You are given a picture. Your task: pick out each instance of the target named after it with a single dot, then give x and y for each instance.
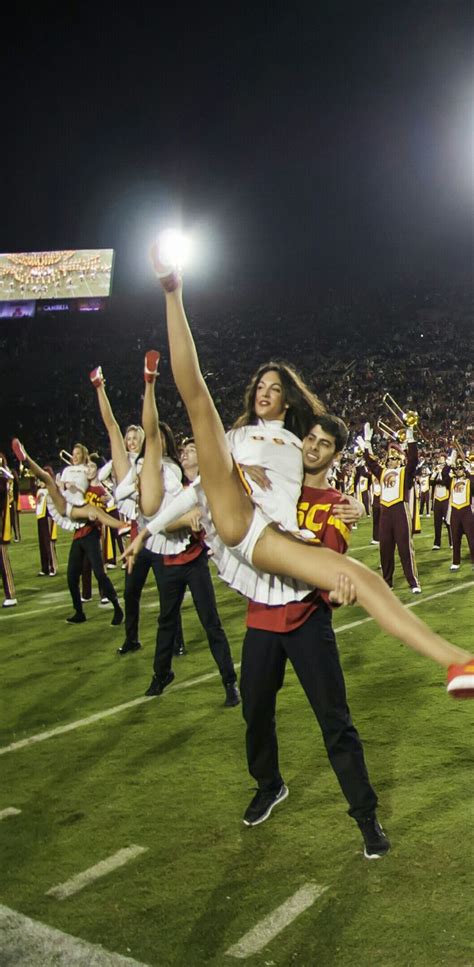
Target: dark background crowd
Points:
(415, 342)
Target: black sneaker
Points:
(129, 646)
(376, 843)
(232, 695)
(157, 685)
(76, 619)
(262, 805)
(118, 615)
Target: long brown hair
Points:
(302, 404)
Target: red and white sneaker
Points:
(461, 680)
(97, 377)
(168, 274)
(152, 359)
(18, 450)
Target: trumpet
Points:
(457, 446)
(405, 417)
(398, 436)
(65, 457)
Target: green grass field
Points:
(169, 774)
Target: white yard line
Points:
(411, 604)
(363, 547)
(275, 922)
(13, 613)
(10, 811)
(81, 880)
(28, 942)
(106, 713)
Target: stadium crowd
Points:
(417, 345)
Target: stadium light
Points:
(174, 248)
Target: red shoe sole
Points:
(152, 359)
(18, 450)
(96, 377)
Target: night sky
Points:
(305, 145)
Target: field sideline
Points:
(156, 789)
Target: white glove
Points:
(410, 436)
(361, 443)
(451, 460)
(368, 432)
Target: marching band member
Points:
(424, 478)
(376, 493)
(251, 535)
(395, 530)
(440, 502)
(458, 477)
(362, 484)
(15, 506)
(6, 488)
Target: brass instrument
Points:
(65, 457)
(398, 436)
(405, 417)
(457, 446)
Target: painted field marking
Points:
(10, 811)
(9, 613)
(26, 941)
(77, 883)
(27, 614)
(106, 713)
(275, 922)
(363, 547)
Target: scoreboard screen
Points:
(17, 310)
(74, 274)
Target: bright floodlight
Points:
(173, 247)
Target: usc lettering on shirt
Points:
(460, 495)
(393, 486)
(314, 513)
(96, 495)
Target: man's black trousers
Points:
(134, 584)
(312, 650)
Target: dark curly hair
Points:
(303, 405)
